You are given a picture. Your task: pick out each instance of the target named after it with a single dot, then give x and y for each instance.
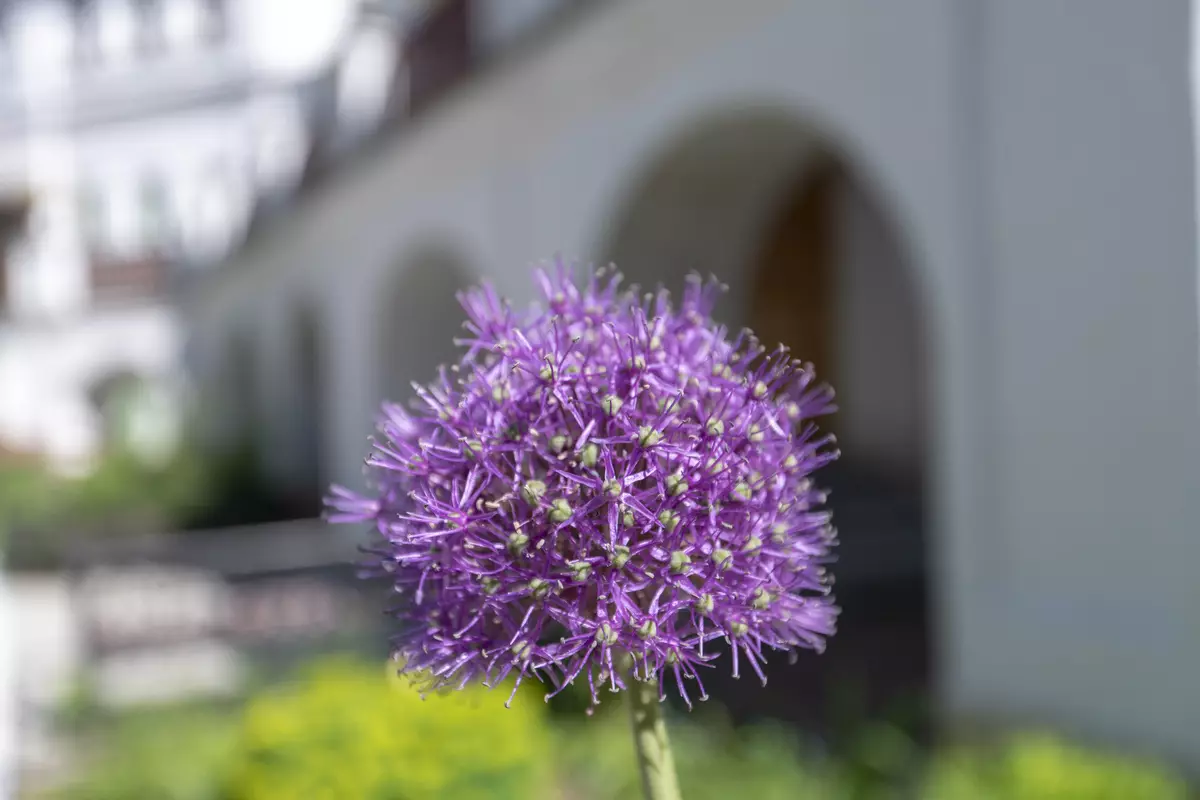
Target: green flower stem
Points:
(655, 761)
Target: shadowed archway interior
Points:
(418, 319)
(812, 258)
(310, 413)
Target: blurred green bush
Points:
(43, 514)
(349, 731)
(169, 754)
(1041, 766)
(346, 730)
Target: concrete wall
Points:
(1042, 188)
(1088, 377)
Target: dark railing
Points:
(262, 591)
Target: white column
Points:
(8, 694)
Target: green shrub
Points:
(713, 759)
(348, 731)
(172, 754)
(1039, 766)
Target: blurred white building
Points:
(978, 218)
(138, 141)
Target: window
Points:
(151, 38)
(87, 39)
(212, 223)
(94, 222)
(215, 22)
(5, 46)
(182, 21)
(115, 29)
(158, 226)
(42, 35)
(3, 277)
(14, 215)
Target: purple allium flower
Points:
(605, 475)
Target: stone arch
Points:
(816, 255)
(310, 415)
(418, 318)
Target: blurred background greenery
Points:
(46, 514)
(342, 728)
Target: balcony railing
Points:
(123, 279)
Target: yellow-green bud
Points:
(590, 455)
(722, 558)
(605, 634)
(560, 510)
(648, 437)
(532, 491)
(517, 543)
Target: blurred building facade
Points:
(973, 218)
(138, 143)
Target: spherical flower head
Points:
(604, 486)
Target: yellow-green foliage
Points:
(1043, 767)
(169, 754)
(346, 731)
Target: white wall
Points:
(1089, 380)
(1057, 273)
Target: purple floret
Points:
(599, 476)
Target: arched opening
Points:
(136, 415)
(419, 318)
(308, 478)
(239, 405)
(814, 260)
